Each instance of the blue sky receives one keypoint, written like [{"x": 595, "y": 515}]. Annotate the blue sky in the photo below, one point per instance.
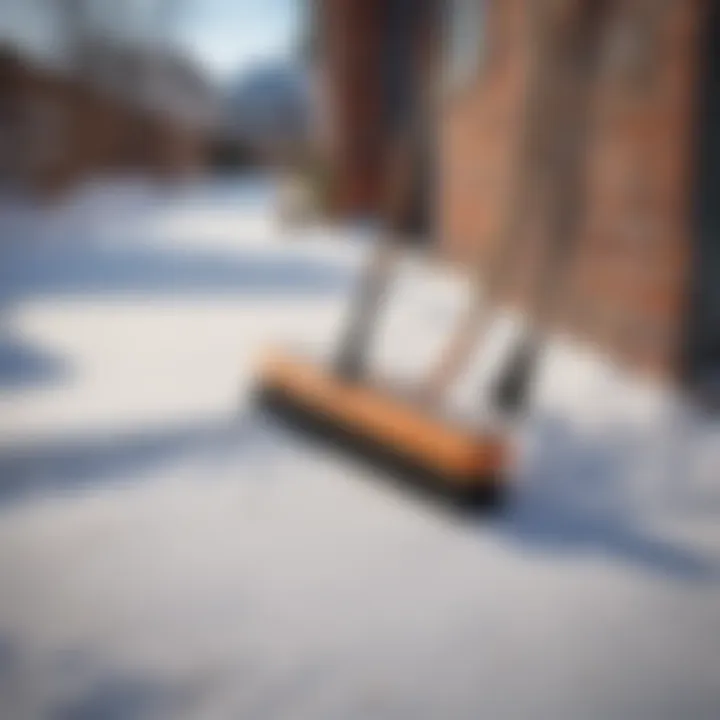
[
  {"x": 230, "y": 35},
  {"x": 226, "y": 36}
]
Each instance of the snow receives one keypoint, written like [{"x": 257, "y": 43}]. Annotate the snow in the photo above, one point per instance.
[{"x": 166, "y": 552}]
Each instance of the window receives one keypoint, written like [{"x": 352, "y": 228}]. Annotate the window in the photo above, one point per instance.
[{"x": 465, "y": 32}]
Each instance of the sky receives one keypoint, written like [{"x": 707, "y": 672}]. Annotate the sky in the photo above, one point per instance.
[
  {"x": 229, "y": 36},
  {"x": 225, "y": 36}
]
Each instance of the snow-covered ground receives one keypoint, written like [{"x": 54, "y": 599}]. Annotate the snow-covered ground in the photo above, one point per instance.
[{"x": 167, "y": 553}]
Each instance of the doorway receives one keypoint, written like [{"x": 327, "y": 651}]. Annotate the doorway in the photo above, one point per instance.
[
  {"x": 410, "y": 61},
  {"x": 703, "y": 347}
]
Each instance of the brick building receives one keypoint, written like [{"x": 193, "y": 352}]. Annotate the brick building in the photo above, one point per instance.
[
  {"x": 58, "y": 127},
  {"x": 645, "y": 260}
]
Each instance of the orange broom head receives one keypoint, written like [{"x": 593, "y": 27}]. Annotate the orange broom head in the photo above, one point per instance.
[{"x": 463, "y": 459}]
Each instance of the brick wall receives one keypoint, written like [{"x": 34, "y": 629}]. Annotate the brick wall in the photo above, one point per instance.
[
  {"x": 56, "y": 131},
  {"x": 479, "y": 136},
  {"x": 627, "y": 287},
  {"x": 629, "y": 282}
]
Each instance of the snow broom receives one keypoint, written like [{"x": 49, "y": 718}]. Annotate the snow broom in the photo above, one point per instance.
[
  {"x": 344, "y": 405},
  {"x": 465, "y": 464}
]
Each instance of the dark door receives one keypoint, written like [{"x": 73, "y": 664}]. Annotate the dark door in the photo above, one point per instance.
[
  {"x": 409, "y": 57},
  {"x": 704, "y": 322}
]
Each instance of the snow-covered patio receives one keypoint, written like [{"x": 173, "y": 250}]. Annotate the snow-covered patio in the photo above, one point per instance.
[{"x": 165, "y": 552}]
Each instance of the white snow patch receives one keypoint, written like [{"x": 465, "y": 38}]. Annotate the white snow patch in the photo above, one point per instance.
[{"x": 167, "y": 553}]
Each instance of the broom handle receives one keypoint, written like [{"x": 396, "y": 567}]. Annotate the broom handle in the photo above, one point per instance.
[
  {"x": 396, "y": 198},
  {"x": 472, "y": 324},
  {"x": 352, "y": 358},
  {"x": 565, "y": 176}
]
